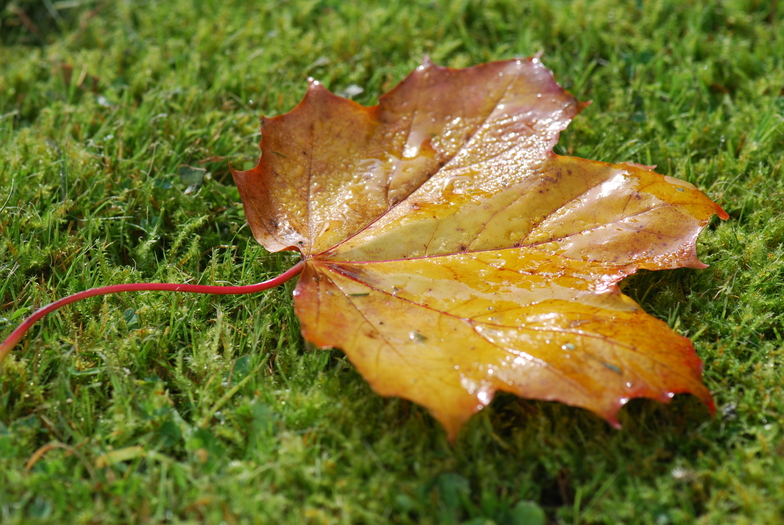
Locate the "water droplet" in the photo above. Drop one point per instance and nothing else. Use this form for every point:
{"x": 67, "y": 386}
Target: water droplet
{"x": 484, "y": 396}
{"x": 681, "y": 184}
{"x": 628, "y": 384}
{"x": 568, "y": 347}
{"x": 416, "y": 336}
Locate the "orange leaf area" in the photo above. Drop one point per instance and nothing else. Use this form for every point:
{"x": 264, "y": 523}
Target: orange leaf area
{"x": 450, "y": 254}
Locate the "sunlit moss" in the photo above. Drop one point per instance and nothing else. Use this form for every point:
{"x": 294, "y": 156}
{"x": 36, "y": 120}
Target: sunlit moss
{"x": 91, "y": 194}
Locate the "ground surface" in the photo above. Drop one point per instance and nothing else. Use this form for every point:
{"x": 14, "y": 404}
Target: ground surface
{"x": 165, "y": 408}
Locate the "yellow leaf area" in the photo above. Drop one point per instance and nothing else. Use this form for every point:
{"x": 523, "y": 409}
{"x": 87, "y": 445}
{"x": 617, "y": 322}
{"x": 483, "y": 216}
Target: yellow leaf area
{"x": 450, "y": 254}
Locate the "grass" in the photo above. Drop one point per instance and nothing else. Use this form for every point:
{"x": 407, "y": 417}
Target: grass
{"x": 166, "y": 408}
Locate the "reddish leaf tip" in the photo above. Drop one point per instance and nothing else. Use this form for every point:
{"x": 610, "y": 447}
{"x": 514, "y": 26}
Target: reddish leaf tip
{"x": 710, "y": 404}
{"x": 582, "y": 105}
{"x": 613, "y": 420}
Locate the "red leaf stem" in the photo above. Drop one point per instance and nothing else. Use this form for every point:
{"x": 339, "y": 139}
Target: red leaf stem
{"x": 16, "y": 335}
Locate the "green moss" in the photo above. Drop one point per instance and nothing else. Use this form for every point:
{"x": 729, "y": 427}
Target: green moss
{"x": 97, "y": 117}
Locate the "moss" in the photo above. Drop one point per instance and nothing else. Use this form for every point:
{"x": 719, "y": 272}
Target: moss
{"x": 92, "y": 195}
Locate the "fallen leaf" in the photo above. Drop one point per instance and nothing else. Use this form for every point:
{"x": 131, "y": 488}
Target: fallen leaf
{"x": 450, "y": 254}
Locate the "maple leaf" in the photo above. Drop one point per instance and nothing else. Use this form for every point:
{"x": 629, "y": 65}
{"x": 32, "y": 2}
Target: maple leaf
{"x": 450, "y": 254}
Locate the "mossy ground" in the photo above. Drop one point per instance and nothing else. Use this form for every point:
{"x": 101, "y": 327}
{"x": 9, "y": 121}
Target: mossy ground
{"x": 167, "y": 408}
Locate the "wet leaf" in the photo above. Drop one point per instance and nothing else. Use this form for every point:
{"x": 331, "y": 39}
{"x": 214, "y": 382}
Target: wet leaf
{"x": 451, "y": 254}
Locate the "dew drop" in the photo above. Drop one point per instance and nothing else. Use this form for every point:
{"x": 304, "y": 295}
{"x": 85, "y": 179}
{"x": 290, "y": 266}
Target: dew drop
{"x": 568, "y": 347}
{"x": 416, "y": 336}
{"x": 484, "y": 397}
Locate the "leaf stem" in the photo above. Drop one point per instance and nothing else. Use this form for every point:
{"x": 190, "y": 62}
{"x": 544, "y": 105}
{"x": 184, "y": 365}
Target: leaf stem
{"x": 21, "y": 330}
